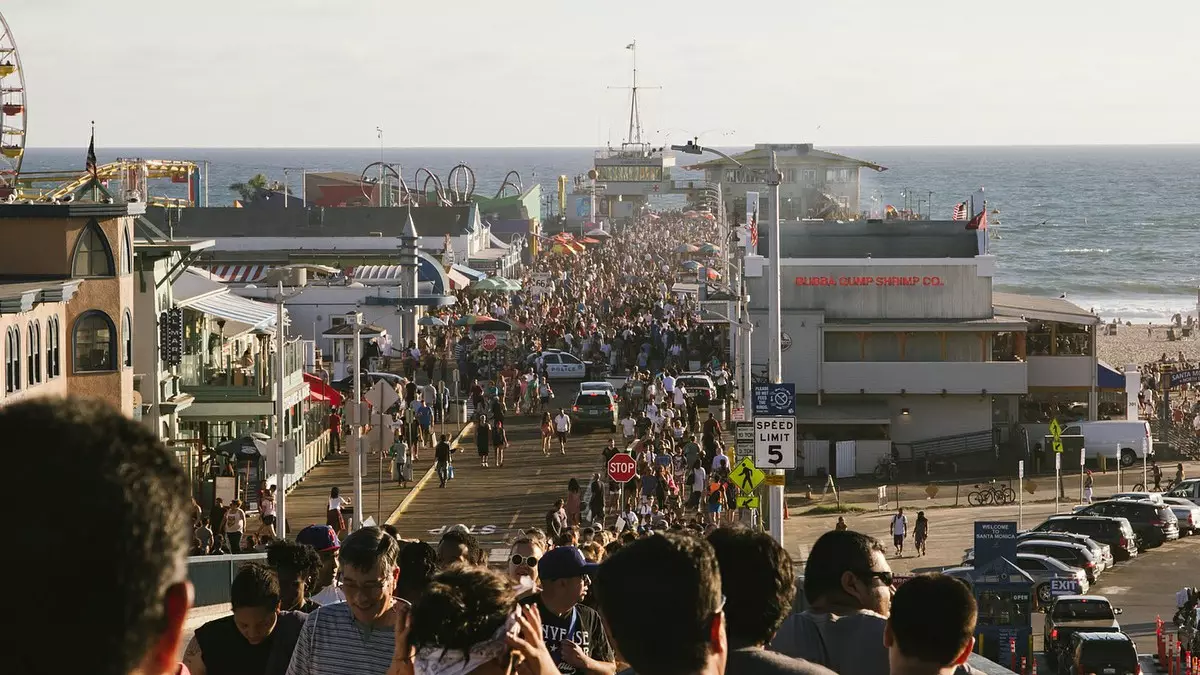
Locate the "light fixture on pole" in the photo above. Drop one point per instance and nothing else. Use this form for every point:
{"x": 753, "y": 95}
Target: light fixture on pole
{"x": 356, "y": 320}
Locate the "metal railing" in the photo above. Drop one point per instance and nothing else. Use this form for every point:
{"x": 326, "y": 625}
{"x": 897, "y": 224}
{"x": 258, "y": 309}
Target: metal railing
{"x": 948, "y": 446}
{"x": 211, "y": 575}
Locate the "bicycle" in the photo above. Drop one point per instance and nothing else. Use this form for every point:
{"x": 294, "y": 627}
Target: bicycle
{"x": 886, "y": 468}
{"x": 1163, "y": 487}
{"x": 983, "y": 495}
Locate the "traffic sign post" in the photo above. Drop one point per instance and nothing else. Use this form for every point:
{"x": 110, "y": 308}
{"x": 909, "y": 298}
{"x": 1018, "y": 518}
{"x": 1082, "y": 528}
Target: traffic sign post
{"x": 488, "y": 342}
{"x": 382, "y": 397}
{"x": 774, "y": 399}
{"x": 744, "y": 439}
{"x": 621, "y": 469}
{"x": 1056, "y": 433}
{"x": 1057, "y": 479}
{"x": 746, "y": 476}
{"x": 1020, "y": 489}
{"x": 775, "y": 442}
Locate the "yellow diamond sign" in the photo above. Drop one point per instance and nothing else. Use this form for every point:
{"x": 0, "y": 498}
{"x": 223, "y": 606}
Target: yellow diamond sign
{"x": 747, "y": 501}
{"x": 746, "y": 476}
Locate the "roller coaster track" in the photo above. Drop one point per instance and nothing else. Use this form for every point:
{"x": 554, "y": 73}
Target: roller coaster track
{"x": 69, "y": 182}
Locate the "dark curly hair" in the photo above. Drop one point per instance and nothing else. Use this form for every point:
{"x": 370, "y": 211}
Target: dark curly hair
{"x": 295, "y": 558}
{"x": 461, "y": 607}
{"x": 418, "y": 564}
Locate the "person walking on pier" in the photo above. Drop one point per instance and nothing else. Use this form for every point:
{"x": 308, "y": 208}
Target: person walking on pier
{"x": 441, "y": 455}
{"x": 483, "y": 439}
{"x": 562, "y": 427}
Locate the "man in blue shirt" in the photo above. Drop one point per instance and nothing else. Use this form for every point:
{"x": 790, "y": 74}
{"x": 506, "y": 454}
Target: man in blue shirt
{"x": 425, "y": 420}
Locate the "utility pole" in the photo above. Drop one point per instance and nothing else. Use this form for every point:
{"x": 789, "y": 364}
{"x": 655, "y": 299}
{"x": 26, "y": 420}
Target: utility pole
{"x": 775, "y": 494}
{"x": 280, "y": 413}
{"x": 356, "y": 454}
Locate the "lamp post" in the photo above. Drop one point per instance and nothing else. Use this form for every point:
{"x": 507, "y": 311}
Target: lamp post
{"x": 356, "y": 319}
{"x": 281, "y": 446}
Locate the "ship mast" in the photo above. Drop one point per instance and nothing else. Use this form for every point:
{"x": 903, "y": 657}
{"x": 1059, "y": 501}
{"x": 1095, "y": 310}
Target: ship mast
{"x": 634, "y": 136}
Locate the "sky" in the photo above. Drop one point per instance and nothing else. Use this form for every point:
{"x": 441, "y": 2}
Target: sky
{"x": 528, "y": 73}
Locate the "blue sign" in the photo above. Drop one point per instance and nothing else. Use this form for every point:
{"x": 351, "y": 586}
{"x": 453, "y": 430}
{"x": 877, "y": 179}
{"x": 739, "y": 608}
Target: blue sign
{"x": 993, "y": 540}
{"x": 1182, "y": 377}
{"x": 583, "y": 207}
{"x": 1064, "y": 587}
{"x": 774, "y": 399}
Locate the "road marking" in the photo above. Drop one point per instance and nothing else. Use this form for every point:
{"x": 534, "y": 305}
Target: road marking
{"x": 1113, "y": 590}
{"x": 513, "y": 522}
{"x": 412, "y": 494}
{"x": 529, "y": 491}
{"x": 538, "y": 472}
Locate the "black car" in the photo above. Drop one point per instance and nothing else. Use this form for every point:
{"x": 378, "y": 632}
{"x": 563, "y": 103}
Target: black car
{"x": 594, "y": 408}
{"x": 1100, "y": 653}
{"x": 1154, "y": 524}
{"x": 1116, "y": 532}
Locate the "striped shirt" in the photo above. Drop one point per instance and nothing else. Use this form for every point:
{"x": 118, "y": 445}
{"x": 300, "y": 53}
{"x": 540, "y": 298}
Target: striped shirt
{"x": 333, "y": 643}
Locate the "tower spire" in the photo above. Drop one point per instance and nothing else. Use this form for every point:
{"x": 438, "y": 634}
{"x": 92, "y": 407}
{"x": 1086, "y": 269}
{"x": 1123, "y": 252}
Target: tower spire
{"x": 634, "y": 136}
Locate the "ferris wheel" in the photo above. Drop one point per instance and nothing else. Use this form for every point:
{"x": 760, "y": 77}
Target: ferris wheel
{"x": 12, "y": 110}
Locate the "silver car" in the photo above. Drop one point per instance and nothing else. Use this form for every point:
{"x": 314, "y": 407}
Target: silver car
{"x": 1186, "y": 511}
{"x": 1043, "y": 570}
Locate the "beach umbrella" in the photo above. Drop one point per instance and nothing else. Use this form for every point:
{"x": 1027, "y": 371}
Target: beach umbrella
{"x": 430, "y": 320}
{"x": 490, "y": 285}
{"x": 562, "y": 248}
{"x": 509, "y": 284}
{"x": 686, "y": 248}
{"x": 249, "y": 446}
{"x": 691, "y": 265}
{"x": 589, "y": 240}
{"x": 710, "y": 249}
{"x": 598, "y": 233}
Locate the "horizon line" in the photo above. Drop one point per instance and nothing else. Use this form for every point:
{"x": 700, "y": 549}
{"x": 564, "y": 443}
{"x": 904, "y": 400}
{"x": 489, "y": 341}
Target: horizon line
{"x": 593, "y": 147}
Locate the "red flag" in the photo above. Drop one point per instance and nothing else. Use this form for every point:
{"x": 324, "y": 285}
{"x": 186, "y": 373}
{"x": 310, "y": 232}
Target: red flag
{"x": 960, "y": 211}
{"x": 979, "y": 222}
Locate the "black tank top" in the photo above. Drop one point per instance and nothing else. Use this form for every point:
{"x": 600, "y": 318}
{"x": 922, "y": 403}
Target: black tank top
{"x": 226, "y": 652}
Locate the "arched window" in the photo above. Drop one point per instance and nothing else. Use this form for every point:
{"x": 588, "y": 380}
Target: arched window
{"x": 34, "y": 351}
{"x": 127, "y": 336}
{"x": 93, "y": 256}
{"x": 126, "y": 253}
{"x": 12, "y": 359}
{"x": 53, "y": 349}
{"x": 94, "y": 342}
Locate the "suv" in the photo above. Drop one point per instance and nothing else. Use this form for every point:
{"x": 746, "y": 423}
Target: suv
{"x": 1153, "y": 523}
{"x": 594, "y": 408}
{"x": 1116, "y": 532}
{"x": 699, "y": 385}
{"x": 1100, "y": 653}
{"x": 1070, "y": 614}
{"x": 1101, "y": 552}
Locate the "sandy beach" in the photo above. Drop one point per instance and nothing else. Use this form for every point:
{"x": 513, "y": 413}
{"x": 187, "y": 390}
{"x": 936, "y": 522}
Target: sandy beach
{"x": 1132, "y": 344}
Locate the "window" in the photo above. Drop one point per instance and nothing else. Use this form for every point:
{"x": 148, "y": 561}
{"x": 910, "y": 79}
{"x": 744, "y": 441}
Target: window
{"x": 126, "y": 253}
{"x": 127, "y": 336}
{"x": 53, "y": 349}
{"x": 94, "y": 341}
{"x": 12, "y": 359}
{"x": 33, "y": 352}
{"x": 93, "y": 257}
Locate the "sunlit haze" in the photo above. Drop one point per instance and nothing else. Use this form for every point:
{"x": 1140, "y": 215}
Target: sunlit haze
{"x": 310, "y": 73}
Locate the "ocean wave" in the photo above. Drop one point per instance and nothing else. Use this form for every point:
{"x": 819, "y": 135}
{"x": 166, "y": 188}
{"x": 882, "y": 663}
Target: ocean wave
{"x": 1085, "y": 251}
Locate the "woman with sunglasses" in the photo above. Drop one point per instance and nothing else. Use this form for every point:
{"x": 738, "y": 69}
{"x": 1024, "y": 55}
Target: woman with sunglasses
{"x": 522, "y": 565}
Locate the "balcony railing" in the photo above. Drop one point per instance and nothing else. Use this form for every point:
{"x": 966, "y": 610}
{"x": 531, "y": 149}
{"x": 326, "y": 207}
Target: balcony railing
{"x": 229, "y": 377}
{"x": 951, "y": 377}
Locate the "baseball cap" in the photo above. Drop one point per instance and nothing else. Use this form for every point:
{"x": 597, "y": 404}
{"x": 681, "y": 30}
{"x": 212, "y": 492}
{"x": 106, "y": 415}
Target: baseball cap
{"x": 564, "y": 562}
{"x": 320, "y": 537}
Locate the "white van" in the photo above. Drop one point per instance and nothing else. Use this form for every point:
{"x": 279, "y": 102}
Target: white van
{"x": 1103, "y": 438}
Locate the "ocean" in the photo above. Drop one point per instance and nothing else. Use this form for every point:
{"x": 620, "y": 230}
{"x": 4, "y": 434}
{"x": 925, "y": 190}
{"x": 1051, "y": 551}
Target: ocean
{"x": 1115, "y": 228}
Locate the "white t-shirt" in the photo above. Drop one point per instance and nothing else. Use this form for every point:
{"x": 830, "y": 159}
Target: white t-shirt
{"x": 562, "y": 423}
{"x": 668, "y": 384}
{"x": 335, "y": 503}
{"x": 330, "y": 595}
{"x": 267, "y": 505}
{"x": 235, "y": 520}
{"x": 720, "y": 461}
{"x": 699, "y": 479}
{"x": 899, "y": 525}
{"x": 679, "y": 397}
{"x": 627, "y": 426}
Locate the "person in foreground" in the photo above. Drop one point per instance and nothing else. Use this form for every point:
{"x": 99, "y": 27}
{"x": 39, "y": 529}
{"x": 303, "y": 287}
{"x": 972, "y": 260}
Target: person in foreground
{"x": 572, "y": 631}
{"x": 469, "y": 621}
{"x": 660, "y": 599}
{"x": 130, "y": 622}
{"x": 758, "y": 580}
{"x": 932, "y": 626}
{"x": 355, "y": 637}
{"x": 257, "y": 638}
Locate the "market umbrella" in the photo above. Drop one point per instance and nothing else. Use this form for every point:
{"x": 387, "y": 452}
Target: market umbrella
{"x": 508, "y": 284}
{"x": 589, "y": 240}
{"x": 691, "y": 265}
{"x": 471, "y": 319}
{"x": 713, "y": 274}
{"x": 687, "y": 248}
{"x": 562, "y": 248}
{"x": 598, "y": 233}
{"x": 430, "y": 320}
{"x": 490, "y": 285}
{"x": 492, "y": 325}
{"x": 249, "y": 446}
{"x": 710, "y": 249}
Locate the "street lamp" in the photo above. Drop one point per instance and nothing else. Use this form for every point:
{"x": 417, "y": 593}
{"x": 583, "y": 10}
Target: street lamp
{"x": 356, "y": 319}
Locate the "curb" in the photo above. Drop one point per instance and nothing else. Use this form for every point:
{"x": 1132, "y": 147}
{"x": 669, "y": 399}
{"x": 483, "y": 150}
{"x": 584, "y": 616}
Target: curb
{"x": 429, "y": 473}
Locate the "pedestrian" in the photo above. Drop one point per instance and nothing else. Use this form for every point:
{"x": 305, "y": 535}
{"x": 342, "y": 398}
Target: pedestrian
{"x": 932, "y": 626}
{"x": 204, "y": 535}
{"x": 326, "y": 589}
{"x": 258, "y": 637}
{"x": 899, "y": 531}
{"x": 442, "y": 455}
{"x": 499, "y": 441}
{"x": 298, "y": 566}
{"x": 562, "y": 427}
{"x": 841, "y": 525}
{"x": 402, "y": 461}
{"x": 547, "y": 433}
{"x": 921, "y": 532}
{"x": 522, "y": 571}
{"x": 335, "y": 430}
{"x": 418, "y": 565}
{"x": 333, "y": 516}
{"x": 235, "y": 524}
{"x": 574, "y": 503}
{"x": 458, "y": 547}
{"x": 596, "y": 501}
{"x": 483, "y": 440}
{"x": 266, "y": 507}
{"x": 759, "y": 584}
{"x": 356, "y": 637}
{"x": 573, "y": 632}
{"x": 556, "y": 520}
{"x": 1088, "y": 482}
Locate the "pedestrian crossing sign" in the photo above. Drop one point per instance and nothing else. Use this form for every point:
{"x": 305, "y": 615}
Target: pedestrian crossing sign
{"x": 1056, "y": 433}
{"x": 747, "y": 501}
{"x": 746, "y": 476}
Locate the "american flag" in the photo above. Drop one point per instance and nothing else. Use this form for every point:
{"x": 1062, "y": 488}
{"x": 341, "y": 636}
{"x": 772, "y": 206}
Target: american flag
{"x": 960, "y": 211}
{"x": 753, "y": 225}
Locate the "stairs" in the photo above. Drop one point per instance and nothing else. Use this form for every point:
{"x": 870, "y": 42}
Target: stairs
{"x": 948, "y": 446}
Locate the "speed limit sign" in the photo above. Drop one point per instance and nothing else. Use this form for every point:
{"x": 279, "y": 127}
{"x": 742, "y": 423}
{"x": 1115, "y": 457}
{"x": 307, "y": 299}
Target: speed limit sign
{"x": 775, "y": 442}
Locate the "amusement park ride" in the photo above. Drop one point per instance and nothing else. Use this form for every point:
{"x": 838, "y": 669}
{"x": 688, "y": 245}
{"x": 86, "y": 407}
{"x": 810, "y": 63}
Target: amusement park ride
{"x": 131, "y": 176}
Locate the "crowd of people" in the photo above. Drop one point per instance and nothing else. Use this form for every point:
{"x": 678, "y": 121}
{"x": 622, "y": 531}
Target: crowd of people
{"x": 687, "y": 600}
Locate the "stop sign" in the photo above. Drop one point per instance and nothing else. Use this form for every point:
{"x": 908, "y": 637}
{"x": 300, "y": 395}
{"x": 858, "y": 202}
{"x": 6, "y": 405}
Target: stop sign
{"x": 622, "y": 468}
{"x": 489, "y": 342}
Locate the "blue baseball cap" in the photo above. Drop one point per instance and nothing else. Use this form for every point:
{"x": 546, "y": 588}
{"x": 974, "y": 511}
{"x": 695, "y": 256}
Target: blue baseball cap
{"x": 320, "y": 537}
{"x": 564, "y": 562}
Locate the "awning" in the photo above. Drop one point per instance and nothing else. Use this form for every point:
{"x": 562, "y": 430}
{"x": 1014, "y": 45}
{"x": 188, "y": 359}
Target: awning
{"x": 251, "y": 314}
{"x": 458, "y": 280}
{"x": 245, "y": 274}
{"x": 319, "y": 390}
{"x": 1108, "y": 377}
{"x": 497, "y": 242}
{"x": 844, "y": 413}
{"x": 473, "y": 275}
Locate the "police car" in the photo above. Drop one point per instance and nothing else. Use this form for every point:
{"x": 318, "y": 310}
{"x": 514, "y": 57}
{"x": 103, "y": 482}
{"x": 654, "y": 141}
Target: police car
{"x": 560, "y": 365}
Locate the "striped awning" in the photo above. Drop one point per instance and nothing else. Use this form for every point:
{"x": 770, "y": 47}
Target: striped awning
{"x": 242, "y": 274}
{"x": 472, "y": 274}
{"x": 458, "y": 280}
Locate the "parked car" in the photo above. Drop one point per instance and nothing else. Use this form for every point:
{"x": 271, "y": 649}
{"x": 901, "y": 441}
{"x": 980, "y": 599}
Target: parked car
{"x": 1070, "y": 614}
{"x": 1100, "y": 653}
{"x": 1186, "y": 511}
{"x": 1070, "y": 553}
{"x": 1188, "y": 489}
{"x": 560, "y": 365}
{"x": 1156, "y": 497}
{"x": 1154, "y": 524}
{"x": 1043, "y": 569}
{"x": 1104, "y": 437}
{"x": 599, "y": 386}
{"x": 594, "y": 408}
{"x": 1102, "y": 552}
{"x": 699, "y": 385}
{"x": 1116, "y": 532}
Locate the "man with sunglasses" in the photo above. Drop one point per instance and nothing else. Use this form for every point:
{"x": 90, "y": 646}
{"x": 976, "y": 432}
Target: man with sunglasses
{"x": 573, "y": 632}
{"x": 848, "y": 585}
